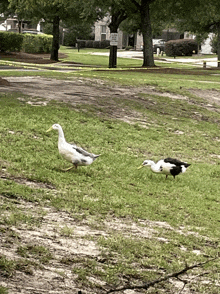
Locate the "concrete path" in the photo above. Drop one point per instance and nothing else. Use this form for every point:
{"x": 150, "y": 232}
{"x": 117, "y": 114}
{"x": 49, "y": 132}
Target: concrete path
{"x": 210, "y": 62}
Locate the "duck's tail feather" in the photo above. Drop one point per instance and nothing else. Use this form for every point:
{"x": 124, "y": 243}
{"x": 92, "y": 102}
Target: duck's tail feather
{"x": 96, "y": 156}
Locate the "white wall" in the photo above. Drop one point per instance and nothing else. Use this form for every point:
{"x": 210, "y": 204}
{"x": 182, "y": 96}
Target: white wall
{"x": 206, "y": 47}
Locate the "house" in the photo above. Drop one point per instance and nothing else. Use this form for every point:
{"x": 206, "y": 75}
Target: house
{"x": 102, "y": 32}
{"x": 13, "y": 25}
{"x": 205, "y": 47}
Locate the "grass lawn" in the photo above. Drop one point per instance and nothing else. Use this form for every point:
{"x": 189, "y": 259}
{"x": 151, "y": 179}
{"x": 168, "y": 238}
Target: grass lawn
{"x": 182, "y": 215}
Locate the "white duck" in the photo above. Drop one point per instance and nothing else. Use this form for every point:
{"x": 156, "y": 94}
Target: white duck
{"x": 72, "y": 153}
{"x": 167, "y": 166}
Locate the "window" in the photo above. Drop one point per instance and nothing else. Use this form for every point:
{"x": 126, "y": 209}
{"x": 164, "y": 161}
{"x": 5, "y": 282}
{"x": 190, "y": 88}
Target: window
{"x": 103, "y": 33}
{"x": 103, "y": 29}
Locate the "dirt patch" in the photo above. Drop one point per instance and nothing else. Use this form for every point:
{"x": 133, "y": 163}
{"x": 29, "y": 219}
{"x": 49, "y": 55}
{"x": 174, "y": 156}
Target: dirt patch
{"x": 167, "y": 70}
{"x": 29, "y": 58}
{"x": 70, "y": 242}
{"x": 97, "y": 94}
{"x": 4, "y": 82}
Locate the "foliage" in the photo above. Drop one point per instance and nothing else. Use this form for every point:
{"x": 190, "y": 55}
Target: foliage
{"x": 78, "y": 31}
{"x": 10, "y": 41}
{"x": 93, "y": 44}
{"x": 181, "y": 47}
{"x": 37, "y": 43}
{"x": 197, "y": 16}
{"x": 47, "y": 28}
{"x": 51, "y": 11}
{"x": 3, "y": 290}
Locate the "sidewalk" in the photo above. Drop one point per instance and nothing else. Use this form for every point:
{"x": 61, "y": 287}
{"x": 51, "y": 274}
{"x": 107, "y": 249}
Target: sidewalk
{"x": 210, "y": 62}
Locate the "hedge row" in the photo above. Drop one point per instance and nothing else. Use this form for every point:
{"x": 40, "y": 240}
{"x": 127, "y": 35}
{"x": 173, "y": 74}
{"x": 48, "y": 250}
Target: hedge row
{"x": 37, "y": 43}
{"x": 28, "y": 43}
{"x": 10, "y": 41}
{"x": 93, "y": 44}
{"x": 181, "y": 47}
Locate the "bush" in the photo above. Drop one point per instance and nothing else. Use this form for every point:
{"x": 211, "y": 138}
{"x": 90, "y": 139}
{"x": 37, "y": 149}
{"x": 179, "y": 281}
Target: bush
{"x": 93, "y": 44}
{"x": 96, "y": 44}
{"x": 104, "y": 44}
{"x": 101, "y": 44}
{"x": 81, "y": 43}
{"x": 10, "y": 41}
{"x": 89, "y": 44}
{"x": 181, "y": 47}
{"x": 82, "y": 31}
{"x": 129, "y": 48}
{"x": 37, "y": 43}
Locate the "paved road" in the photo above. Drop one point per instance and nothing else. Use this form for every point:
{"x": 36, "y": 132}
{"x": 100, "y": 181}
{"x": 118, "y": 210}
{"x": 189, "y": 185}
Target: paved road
{"x": 210, "y": 62}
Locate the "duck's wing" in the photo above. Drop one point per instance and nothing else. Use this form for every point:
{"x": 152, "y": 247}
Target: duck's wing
{"x": 83, "y": 151}
{"x": 177, "y": 162}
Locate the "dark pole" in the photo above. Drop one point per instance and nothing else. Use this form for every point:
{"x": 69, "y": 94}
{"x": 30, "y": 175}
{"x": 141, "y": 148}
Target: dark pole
{"x": 113, "y": 57}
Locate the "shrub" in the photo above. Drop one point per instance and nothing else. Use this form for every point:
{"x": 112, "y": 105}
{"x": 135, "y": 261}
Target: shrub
{"x": 104, "y": 44}
{"x": 129, "y": 48}
{"x": 93, "y": 44}
{"x": 81, "y": 31}
{"x": 96, "y": 44}
{"x": 181, "y": 47}
{"x": 89, "y": 44}
{"x": 37, "y": 43}
{"x": 10, "y": 41}
{"x": 81, "y": 43}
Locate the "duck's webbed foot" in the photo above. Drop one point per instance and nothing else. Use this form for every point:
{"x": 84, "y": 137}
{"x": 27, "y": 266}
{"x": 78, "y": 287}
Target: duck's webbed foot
{"x": 67, "y": 169}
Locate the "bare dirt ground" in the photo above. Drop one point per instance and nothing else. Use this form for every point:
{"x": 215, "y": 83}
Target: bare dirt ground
{"x": 56, "y": 276}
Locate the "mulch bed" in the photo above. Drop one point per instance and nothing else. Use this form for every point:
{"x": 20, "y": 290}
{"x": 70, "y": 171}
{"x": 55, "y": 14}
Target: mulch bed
{"x": 29, "y": 58}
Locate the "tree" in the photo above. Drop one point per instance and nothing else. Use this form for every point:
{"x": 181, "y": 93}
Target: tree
{"x": 197, "y": 16}
{"x": 4, "y": 6}
{"x": 118, "y": 15}
{"x": 52, "y": 11}
{"x": 118, "y": 11}
{"x": 143, "y": 7}
{"x": 130, "y": 9}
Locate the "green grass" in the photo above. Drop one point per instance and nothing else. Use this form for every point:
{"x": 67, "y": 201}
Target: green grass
{"x": 112, "y": 187}
{"x": 3, "y": 290}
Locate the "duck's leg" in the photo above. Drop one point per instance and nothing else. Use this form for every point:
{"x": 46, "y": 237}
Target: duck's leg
{"x": 67, "y": 169}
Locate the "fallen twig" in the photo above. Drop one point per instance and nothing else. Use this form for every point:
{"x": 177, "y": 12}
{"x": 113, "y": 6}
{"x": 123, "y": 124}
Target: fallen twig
{"x": 172, "y": 275}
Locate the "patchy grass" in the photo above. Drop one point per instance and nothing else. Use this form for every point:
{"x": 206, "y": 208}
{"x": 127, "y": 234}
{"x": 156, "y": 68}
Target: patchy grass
{"x": 143, "y": 225}
{"x": 40, "y": 252}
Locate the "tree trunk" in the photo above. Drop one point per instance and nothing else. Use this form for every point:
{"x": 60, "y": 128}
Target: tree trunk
{"x": 147, "y": 34}
{"x": 218, "y": 43}
{"x": 55, "y": 43}
{"x": 20, "y": 26}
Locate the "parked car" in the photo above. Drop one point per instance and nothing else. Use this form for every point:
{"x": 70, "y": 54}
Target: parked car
{"x": 158, "y": 43}
{"x": 31, "y": 32}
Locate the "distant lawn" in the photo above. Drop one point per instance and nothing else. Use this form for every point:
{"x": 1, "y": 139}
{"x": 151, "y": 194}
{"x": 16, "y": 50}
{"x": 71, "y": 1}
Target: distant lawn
{"x": 86, "y": 56}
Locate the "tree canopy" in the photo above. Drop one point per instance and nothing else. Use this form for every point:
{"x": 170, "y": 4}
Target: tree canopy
{"x": 145, "y": 16}
{"x": 197, "y": 16}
